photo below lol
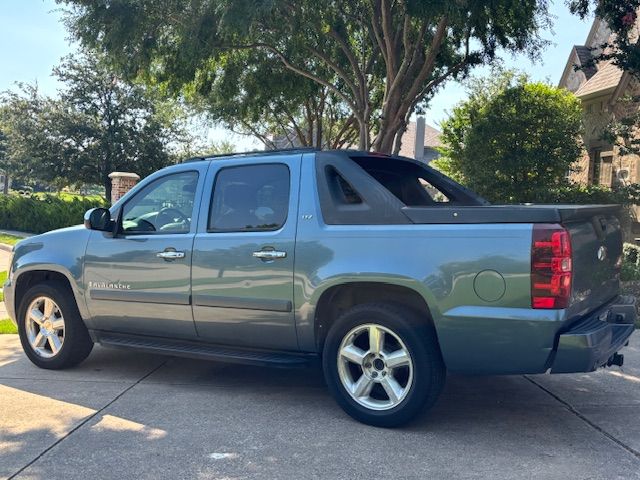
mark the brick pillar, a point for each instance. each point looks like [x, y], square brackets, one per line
[121, 183]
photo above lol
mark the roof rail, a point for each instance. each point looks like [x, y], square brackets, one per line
[251, 153]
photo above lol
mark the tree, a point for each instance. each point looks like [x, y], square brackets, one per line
[512, 139]
[22, 117]
[201, 149]
[381, 58]
[4, 186]
[98, 124]
[271, 103]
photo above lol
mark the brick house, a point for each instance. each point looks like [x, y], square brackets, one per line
[601, 88]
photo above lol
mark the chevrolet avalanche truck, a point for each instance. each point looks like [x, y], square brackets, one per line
[386, 271]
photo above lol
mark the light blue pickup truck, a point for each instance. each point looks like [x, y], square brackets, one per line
[386, 271]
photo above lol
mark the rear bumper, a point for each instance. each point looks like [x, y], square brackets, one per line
[592, 341]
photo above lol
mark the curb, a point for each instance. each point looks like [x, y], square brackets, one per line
[5, 247]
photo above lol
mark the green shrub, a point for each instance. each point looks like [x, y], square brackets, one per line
[631, 254]
[630, 262]
[41, 213]
[587, 194]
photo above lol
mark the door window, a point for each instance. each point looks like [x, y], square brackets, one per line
[250, 198]
[163, 206]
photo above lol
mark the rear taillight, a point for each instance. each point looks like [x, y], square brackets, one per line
[550, 266]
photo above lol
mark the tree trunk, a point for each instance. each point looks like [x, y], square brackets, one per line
[364, 142]
[384, 141]
[398, 140]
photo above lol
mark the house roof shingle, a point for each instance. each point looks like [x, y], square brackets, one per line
[607, 77]
[431, 139]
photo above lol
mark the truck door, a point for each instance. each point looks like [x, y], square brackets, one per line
[242, 277]
[139, 280]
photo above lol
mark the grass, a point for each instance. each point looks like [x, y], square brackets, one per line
[9, 239]
[3, 278]
[7, 326]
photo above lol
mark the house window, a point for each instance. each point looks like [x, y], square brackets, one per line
[606, 169]
[594, 167]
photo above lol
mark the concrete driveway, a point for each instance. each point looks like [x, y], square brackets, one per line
[126, 415]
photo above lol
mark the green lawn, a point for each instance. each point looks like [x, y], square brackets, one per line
[6, 326]
[9, 239]
[3, 277]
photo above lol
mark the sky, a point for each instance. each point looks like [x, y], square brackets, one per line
[33, 40]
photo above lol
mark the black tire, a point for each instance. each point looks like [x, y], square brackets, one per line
[77, 343]
[420, 340]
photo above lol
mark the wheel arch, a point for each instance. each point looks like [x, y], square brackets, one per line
[27, 277]
[339, 297]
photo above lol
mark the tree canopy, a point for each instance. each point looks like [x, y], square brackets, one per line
[378, 60]
[512, 139]
[271, 103]
[99, 124]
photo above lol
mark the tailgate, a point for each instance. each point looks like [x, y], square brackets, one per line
[596, 243]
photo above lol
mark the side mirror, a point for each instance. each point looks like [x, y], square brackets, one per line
[98, 219]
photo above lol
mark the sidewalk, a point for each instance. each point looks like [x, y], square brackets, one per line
[15, 233]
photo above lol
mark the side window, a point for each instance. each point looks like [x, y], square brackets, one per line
[435, 193]
[250, 198]
[341, 189]
[163, 206]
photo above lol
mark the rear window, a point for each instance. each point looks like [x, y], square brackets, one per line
[250, 198]
[407, 181]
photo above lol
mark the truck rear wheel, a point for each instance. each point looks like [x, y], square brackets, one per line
[52, 333]
[382, 364]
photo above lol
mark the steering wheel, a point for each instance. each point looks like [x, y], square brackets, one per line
[173, 215]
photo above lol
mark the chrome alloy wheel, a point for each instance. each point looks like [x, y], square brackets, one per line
[375, 367]
[44, 325]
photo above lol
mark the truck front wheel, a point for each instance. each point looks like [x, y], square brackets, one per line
[52, 333]
[383, 364]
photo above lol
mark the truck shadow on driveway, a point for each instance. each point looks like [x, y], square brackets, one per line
[126, 414]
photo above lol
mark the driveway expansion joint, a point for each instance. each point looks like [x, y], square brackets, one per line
[582, 417]
[88, 419]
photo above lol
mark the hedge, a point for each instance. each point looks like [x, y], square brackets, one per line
[43, 212]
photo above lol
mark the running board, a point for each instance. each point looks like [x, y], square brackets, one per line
[203, 351]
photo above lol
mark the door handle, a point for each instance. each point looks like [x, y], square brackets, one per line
[170, 254]
[269, 254]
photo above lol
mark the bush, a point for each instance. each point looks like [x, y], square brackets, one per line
[43, 212]
[587, 194]
[512, 137]
[630, 262]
